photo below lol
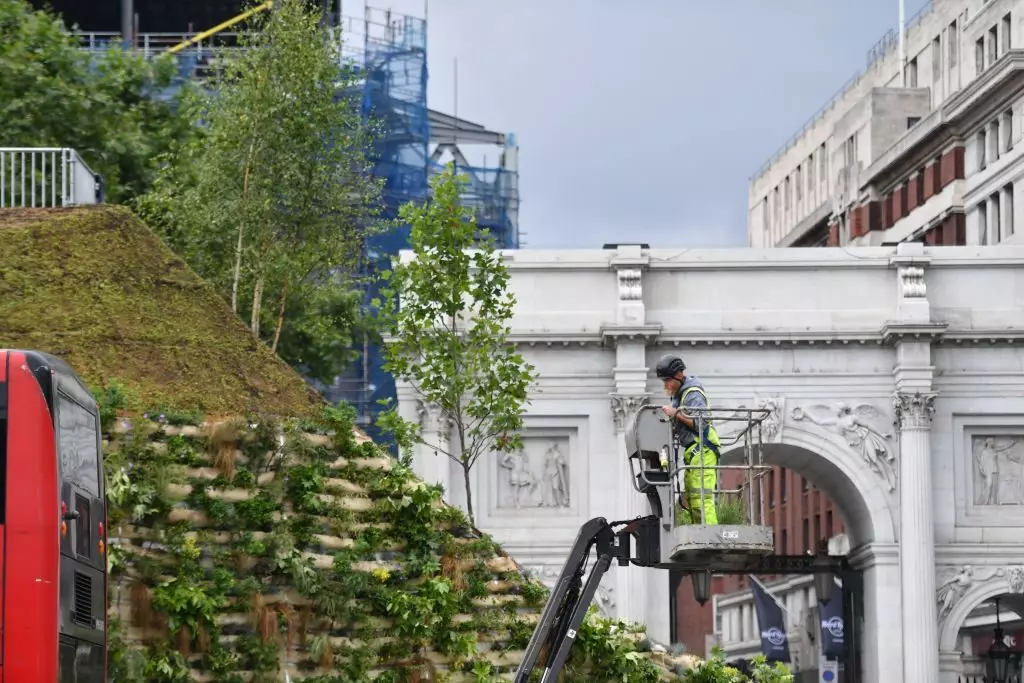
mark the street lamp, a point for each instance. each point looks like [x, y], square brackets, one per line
[822, 577]
[701, 586]
[998, 652]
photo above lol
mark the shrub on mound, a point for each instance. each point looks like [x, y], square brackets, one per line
[241, 551]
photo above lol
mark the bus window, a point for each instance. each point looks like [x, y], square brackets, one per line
[79, 456]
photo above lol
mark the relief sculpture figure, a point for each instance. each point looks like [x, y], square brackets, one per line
[852, 424]
[556, 478]
[950, 591]
[521, 481]
[995, 485]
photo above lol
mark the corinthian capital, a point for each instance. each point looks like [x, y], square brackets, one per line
[913, 411]
[624, 407]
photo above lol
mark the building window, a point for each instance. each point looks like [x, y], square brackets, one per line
[1007, 210]
[807, 534]
[983, 223]
[787, 195]
[828, 523]
[810, 175]
[799, 184]
[937, 59]
[979, 56]
[1007, 130]
[805, 485]
[1007, 30]
[912, 73]
[913, 121]
[784, 546]
[982, 148]
[818, 535]
[770, 481]
[823, 162]
[994, 213]
[993, 45]
[783, 476]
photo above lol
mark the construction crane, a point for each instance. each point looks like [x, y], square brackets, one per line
[657, 540]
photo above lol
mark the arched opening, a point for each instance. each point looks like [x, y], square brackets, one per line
[981, 626]
[861, 499]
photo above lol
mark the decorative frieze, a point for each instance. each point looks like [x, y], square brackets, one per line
[625, 407]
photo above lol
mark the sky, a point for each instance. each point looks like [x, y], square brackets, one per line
[642, 120]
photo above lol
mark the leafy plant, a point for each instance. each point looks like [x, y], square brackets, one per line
[447, 315]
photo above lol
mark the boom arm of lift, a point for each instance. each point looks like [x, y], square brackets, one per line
[571, 597]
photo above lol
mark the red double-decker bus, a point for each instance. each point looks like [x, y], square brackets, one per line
[53, 563]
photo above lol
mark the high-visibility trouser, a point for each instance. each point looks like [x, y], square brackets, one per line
[697, 483]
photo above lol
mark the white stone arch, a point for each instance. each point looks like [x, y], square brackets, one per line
[828, 462]
[949, 628]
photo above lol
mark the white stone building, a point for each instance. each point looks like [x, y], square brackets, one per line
[929, 152]
[905, 345]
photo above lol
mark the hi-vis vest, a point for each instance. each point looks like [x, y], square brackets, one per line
[709, 442]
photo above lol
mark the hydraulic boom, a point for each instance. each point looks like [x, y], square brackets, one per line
[655, 540]
[571, 598]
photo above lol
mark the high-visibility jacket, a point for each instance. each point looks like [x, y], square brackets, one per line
[699, 486]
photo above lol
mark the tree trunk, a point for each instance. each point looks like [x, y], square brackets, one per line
[280, 318]
[469, 494]
[241, 232]
[257, 301]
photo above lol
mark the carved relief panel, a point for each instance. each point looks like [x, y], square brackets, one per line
[537, 475]
[988, 470]
[536, 493]
[998, 470]
[866, 429]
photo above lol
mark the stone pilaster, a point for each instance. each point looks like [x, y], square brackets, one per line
[632, 582]
[917, 538]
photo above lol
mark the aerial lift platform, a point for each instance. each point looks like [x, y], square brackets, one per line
[658, 540]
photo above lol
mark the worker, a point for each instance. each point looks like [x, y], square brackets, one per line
[687, 394]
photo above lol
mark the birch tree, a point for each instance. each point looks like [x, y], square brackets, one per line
[275, 199]
[446, 314]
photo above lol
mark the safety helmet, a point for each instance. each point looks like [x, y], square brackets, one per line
[668, 366]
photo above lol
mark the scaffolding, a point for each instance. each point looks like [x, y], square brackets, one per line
[388, 52]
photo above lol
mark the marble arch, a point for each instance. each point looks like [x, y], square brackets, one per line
[896, 371]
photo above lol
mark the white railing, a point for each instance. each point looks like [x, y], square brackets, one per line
[46, 177]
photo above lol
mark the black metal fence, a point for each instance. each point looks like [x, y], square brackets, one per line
[985, 679]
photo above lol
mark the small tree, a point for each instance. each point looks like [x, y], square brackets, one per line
[272, 203]
[447, 315]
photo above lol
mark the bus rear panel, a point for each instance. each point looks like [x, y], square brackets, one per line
[52, 524]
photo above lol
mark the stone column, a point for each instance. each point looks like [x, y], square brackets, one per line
[632, 587]
[917, 538]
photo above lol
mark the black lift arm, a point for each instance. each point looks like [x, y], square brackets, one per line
[571, 598]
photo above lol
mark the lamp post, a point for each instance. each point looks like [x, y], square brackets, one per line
[998, 652]
[822, 575]
[701, 586]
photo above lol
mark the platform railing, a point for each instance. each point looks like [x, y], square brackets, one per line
[46, 177]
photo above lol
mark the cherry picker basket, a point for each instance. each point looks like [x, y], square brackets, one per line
[677, 487]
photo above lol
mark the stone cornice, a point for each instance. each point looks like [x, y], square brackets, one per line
[895, 332]
[890, 333]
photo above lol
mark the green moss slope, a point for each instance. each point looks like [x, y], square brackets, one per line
[97, 288]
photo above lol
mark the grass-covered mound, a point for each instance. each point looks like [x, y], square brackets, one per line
[239, 551]
[97, 288]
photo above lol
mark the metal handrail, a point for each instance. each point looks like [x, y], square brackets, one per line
[30, 177]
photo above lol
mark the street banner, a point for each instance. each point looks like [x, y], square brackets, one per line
[772, 623]
[831, 616]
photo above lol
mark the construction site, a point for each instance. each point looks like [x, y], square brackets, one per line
[389, 53]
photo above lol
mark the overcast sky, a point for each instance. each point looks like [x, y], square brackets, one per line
[642, 120]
